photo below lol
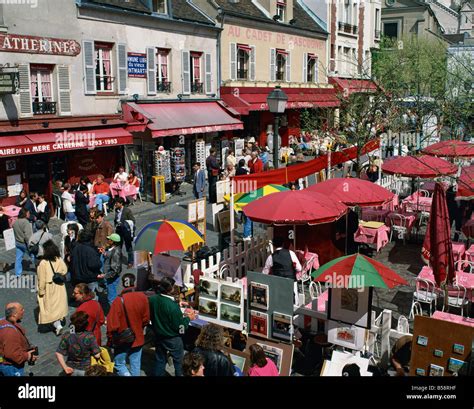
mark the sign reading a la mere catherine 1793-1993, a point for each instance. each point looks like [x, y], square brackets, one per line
[15, 43]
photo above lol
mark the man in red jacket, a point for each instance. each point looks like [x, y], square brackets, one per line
[92, 308]
[129, 310]
[15, 349]
[255, 163]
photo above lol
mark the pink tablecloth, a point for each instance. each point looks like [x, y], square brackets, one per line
[116, 189]
[465, 279]
[458, 249]
[415, 203]
[320, 302]
[302, 257]
[393, 204]
[374, 215]
[410, 218]
[439, 315]
[12, 213]
[469, 254]
[372, 236]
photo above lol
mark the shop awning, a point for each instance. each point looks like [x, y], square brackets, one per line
[185, 118]
[351, 86]
[36, 143]
[244, 100]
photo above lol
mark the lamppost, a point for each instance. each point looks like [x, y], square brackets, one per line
[276, 101]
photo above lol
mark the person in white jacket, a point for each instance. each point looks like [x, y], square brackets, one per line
[68, 203]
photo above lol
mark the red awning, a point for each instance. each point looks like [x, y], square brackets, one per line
[244, 47]
[185, 118]
[281, 51]
[244, 100]
[352, 86]
[35, 143]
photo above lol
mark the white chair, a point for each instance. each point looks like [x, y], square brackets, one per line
[57, 201]
[315, 289]
[403, 325]
[457, 297]
[424, 193]
[399, 224]
[425, 293]
[417, 309]
[464, 265]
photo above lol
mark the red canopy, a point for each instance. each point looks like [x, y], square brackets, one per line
[294, 207]
[351, 191]
[423, 166]
[466, 184]
[453, 148]
[281, 176]
[437, 247]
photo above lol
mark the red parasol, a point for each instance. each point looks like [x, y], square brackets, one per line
[423, 166]
[466, 184]
[437, 247]
[352, 191]
[453, 148]
[294, 207]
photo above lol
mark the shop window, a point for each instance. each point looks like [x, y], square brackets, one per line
[243, 57]
[281, 10]
[159, 6]
[196, 76]
[42, 89]
[103, 68]
[163, 83]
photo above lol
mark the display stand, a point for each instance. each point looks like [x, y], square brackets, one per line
[197, 217]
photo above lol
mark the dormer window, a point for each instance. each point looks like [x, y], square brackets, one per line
[281, 9]
[159, 6]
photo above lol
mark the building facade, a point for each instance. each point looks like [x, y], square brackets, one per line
[74, 92]
[269, 43]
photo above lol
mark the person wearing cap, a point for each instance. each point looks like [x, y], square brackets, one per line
[112, 265]
[41, 236]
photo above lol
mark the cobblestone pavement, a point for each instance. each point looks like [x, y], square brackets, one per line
[403, 259]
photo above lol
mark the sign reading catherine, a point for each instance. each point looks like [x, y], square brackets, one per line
[136, 65]
[14, 43]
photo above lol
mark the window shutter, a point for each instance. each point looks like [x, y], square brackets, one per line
[64, 90]
[233, 61]
[288, 67]
[89, 67]
[208, 67]
[272, 64]
[185, 72]
[151, 70]
[316, 70]
[252, 63]
[305, 67]
[26, 108]
[122, 68]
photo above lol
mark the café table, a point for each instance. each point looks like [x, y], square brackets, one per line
[369, 214]
[393, 204]
[372, 233]
[469, 254]
[320, 302]
[463, 278]
[305, 256]
[458, 319]
[409, 216]
[123, 191]
[458, 250]
[12, 212]
[415, 203]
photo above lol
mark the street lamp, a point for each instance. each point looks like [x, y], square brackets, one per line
[276, 101]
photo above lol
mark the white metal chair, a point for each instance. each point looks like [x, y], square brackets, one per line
[306, 269]
[57, 201]
[465, 266]
[424, 193]
[457, 297]
[425, 293]
[399, 224]
[403, 325]
[417, 309]
[315, 289]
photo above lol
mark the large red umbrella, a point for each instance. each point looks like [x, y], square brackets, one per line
[437, 247]
[294, 207]
[453, 148]
[466, 184]
[352, 191]
[423, 166]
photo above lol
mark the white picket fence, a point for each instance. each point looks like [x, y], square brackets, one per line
[248, 256]
[399, 185]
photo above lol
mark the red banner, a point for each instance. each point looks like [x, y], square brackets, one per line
[243, 184]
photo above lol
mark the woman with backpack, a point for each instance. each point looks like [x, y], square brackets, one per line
[52, 297]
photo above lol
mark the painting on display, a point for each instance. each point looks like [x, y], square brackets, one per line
[350, 306]
[259, 295]
[259, 323]
[344, 335]
[282, 327]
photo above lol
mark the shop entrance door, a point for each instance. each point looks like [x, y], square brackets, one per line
[38, 173]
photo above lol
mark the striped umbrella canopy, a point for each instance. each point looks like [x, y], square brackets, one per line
[356, 270]
[166, 235]
[243, 199]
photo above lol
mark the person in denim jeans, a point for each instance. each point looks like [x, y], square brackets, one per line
[23, 231]
[169, 323]
[112, 265]
[101, 190]
[138, 313]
